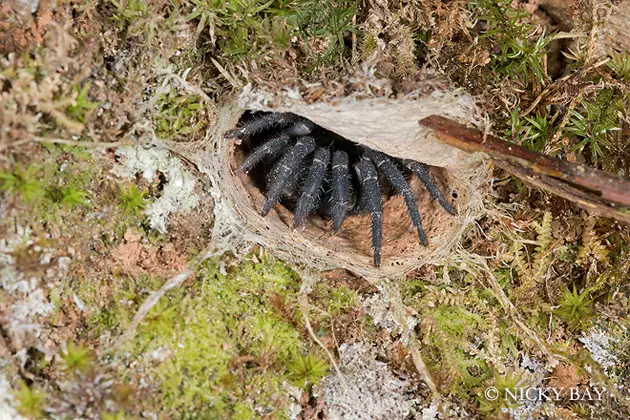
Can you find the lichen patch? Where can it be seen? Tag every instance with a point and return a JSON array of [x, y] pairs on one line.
[[178, 193]]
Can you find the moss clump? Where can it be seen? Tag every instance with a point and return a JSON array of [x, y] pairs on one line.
[[76, 359], [22, 182], [178, 116], [257, 28], [31, 401], [576, 309], [131, 200], [221, 349]]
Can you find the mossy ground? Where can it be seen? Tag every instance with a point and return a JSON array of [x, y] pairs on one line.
[[537, 280]]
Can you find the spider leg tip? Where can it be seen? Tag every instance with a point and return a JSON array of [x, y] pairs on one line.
[[298, 222], [234, 134], [449, 209], [265, 210]]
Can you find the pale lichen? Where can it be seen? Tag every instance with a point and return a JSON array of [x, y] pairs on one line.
[[178, 193], [7, 401], [366, 383], [599, 343], [29, 300]]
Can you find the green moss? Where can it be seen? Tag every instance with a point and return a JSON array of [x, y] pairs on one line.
[[146, 19], [338, 299], [114, 416], [224, 349], [576, 309], [456, 321], [124, 295], [518, 54], [22, 182], [177, 116], [504, 385], [257, 27], [31, 401], [81, 104], [131, 200], [76, 359], [594, 122], [455, 327], [620, 65], [308, 369]]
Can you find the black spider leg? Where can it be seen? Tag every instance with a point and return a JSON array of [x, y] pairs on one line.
[[300, 126], [371, 201], [397, 180], [269, 149], [311, 188], [340, 188], [283, 171], [422, 171]]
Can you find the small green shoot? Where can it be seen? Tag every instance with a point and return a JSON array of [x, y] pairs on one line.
[[162, 319], [130, 11], [23, 182], [31, 401], [175, 115], [576, 310], [498, 397], [131, 200], [591, 125], [76, 359], [82, 105], [71, 197], [340, 299], [308, 370], [620, 65], [120, 415], [537, 133]]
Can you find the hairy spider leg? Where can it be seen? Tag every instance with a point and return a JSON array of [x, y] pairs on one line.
[[422, 171], [284, 169], [397, 180], [371, 200], [312, 186], [340, 188], [300, 126], [269, 149]]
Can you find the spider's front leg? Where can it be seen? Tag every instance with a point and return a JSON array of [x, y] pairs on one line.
[[283, 172], [297, 126], [371, 201], [269, 149], [397, 180]]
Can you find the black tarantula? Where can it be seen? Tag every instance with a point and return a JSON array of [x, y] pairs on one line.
[[309, 169]]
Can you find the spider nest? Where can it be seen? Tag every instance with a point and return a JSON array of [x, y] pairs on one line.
[[383, 125]]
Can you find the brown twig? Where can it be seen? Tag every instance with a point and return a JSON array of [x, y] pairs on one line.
[[595, 190]]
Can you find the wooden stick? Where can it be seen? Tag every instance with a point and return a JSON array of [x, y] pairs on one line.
[[592, 189]]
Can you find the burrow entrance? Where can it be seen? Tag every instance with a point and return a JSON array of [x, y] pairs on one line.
[[399, 238]]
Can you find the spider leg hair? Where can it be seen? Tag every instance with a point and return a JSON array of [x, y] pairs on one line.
[[340, 188], [371, 198], [270, 149], [422, 171], [284, 169], [300, 126], [312, 186], [397, 180]]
